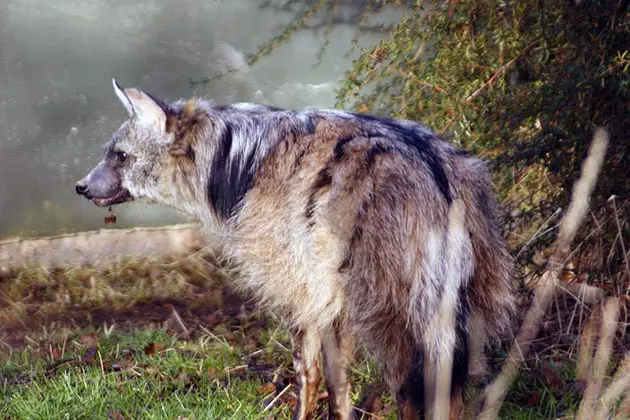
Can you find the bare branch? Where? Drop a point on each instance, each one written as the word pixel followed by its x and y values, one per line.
pixel 619 385
pixel 545 290
pixel 610 315
pixel 501 70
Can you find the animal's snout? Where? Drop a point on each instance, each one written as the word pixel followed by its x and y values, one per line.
pixel 82 189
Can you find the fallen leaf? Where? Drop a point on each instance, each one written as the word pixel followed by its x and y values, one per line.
pixel 534 399
pixel 552 378
pixel 109 220
pixel 128 353
pixel 290 400
pixel 115 415
pixel 212 320
pixel 56 353
pixel 89 355
pixel 152 371
pixel 251 344
pixel 89 339
pixel 151 348
pixel 267 388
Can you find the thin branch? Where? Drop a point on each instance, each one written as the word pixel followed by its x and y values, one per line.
pixel 501 70
pixel 545 290
pixel 416 80
pixel 619 385
pixel 610 315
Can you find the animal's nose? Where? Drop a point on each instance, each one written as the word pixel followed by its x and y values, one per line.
pixel 82 189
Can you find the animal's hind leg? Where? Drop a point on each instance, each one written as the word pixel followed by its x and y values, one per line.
pixel 402 367
pixel 410 397
pixel 337 349
pixel 446 374
pixel 460 366
pixel 443 373
pixel 306 345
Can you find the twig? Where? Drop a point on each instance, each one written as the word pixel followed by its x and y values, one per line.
pixel 236 368
pixel 499 72
pixel 545 290
pixel 619 385
pixel 416 80
pixel 536 234
pixel 281 393
pixel 610 316
pixel 178 321
pixel 364 412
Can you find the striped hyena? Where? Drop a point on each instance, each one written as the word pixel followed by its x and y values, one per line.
pixel 357 230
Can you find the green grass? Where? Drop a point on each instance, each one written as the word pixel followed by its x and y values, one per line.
pixel 118 375
pixel 150 373
pixel 546 393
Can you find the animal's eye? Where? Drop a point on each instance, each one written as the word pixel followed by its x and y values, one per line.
pixel 121 156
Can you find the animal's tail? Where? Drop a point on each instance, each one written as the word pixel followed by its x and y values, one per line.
pixel 439 316
pixel 472 274
pixel 490 295
pixel 444 342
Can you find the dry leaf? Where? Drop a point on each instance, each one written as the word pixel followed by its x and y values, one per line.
pixel 267 388
pixel 88 339
pixel 151 348
pixel 115 415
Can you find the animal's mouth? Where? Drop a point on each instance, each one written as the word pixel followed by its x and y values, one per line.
pixel 122 196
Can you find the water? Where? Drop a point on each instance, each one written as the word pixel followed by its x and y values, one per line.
pixel 57 106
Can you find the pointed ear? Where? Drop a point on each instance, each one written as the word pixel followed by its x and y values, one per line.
pixel 147 111
pixel 123 98
pixel 142 107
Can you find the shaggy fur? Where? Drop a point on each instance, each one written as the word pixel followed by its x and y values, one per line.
pixel 355 229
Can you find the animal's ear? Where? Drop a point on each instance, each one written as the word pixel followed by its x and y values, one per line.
pixel 147 111
pixel 123 98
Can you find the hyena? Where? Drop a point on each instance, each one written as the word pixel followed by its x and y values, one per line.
pixel 356 230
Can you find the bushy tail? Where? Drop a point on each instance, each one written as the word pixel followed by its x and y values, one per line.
pixel 442 344
pixel 452 269
pixel 453 314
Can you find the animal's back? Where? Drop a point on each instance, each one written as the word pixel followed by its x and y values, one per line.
pixel 364 201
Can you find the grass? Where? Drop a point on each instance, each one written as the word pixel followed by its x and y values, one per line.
pixel 141 374
pixel 170 340
pixel 543 393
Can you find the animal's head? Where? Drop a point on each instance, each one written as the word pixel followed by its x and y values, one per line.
pixel 135 159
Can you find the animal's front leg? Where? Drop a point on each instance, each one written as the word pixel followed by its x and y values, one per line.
pixel 306 344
